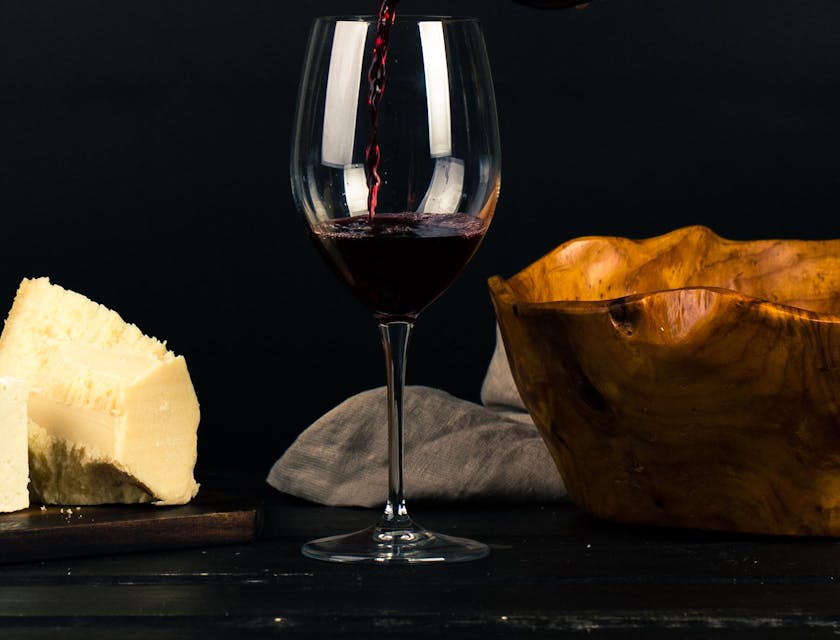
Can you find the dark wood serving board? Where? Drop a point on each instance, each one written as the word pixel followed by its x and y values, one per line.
pixel 48 532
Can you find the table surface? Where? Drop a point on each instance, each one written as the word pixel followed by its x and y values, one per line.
pixel 553 572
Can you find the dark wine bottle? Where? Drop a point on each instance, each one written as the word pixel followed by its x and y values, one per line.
pixel 554 4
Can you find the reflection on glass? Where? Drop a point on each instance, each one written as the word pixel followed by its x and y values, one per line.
pixel 445 188
pixel 355 189
pixel 437 89
pixel 343 80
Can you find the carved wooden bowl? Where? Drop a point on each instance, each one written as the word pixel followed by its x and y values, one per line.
pixel 685 380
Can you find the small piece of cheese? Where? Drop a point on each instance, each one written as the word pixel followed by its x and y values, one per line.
pixel 14 468
pixel 116 413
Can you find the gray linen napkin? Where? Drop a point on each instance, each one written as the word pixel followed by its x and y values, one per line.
pixel 455 450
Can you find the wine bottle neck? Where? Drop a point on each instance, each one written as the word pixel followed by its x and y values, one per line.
pixel 554 4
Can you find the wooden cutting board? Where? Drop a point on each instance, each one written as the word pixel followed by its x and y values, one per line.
pixel 212 518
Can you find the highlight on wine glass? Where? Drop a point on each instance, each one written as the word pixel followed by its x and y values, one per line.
pixel 396 168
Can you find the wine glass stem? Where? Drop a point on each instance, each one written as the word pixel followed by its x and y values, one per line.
pixel 395 343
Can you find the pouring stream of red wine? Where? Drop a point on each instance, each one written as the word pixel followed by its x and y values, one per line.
pixel 376 88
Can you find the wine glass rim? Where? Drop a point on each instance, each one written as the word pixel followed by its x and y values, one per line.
pixel 400 18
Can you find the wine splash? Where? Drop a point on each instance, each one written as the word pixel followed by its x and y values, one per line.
pixel 376 88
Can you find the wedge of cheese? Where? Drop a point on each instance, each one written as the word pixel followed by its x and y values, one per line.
pixel 14 466
pixel 115 412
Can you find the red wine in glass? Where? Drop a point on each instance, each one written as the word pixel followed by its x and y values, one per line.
pixel 396 264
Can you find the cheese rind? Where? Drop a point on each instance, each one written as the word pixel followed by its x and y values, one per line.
pixel 14 466
pixel 63 472
pixel 116 407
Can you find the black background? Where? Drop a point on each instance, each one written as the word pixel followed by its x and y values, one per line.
pixel 144 163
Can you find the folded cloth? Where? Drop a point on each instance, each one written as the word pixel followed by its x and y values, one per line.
pixel 455 450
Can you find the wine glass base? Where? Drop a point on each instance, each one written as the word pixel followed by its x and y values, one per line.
pixel 410 544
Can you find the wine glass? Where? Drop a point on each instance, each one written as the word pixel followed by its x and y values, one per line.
pixel 397 182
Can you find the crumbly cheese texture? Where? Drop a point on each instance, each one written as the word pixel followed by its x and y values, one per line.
pixel 14 467
pixel 113 407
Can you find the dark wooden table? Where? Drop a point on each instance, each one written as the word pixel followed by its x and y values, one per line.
pixel 553 572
